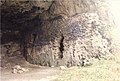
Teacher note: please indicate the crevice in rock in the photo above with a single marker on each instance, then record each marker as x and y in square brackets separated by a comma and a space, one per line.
[34, 39]
[61, 48]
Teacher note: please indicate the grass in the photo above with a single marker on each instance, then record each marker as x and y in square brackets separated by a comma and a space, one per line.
[104, 70]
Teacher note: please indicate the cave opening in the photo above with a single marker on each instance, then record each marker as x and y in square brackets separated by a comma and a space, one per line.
[35, 30]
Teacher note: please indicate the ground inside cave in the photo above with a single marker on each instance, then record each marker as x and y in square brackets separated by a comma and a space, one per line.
[103, 70]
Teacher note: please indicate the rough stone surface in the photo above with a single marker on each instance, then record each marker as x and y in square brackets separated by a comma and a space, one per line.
[18, 69]
[10, 49]
[57, 33]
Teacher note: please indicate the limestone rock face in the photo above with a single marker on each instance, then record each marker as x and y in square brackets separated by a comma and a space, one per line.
[10, 49]
[58, 33]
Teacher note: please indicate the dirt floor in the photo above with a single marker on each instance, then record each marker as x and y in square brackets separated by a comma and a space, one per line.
[103, 70]
[34, 73]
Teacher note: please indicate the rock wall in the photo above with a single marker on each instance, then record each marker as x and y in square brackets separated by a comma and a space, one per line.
[54, 33]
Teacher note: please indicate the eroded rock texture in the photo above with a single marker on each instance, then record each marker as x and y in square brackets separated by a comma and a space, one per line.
[54, 33]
